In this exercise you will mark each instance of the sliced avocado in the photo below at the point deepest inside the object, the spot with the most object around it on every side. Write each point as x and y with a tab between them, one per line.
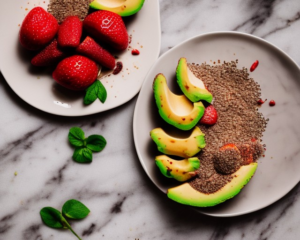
122	7
187	195
192	87
174	109
181	170
181	147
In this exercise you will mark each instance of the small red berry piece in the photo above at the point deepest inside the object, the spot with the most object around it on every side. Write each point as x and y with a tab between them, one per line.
76	72
49	56
118	68
261	102
135	52
69	32
95	52
272	103
210	116
254	66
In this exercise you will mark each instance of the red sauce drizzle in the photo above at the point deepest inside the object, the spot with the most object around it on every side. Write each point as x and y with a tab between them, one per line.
118	68
254	66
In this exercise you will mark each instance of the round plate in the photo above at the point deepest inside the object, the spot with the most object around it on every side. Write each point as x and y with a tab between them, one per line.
279	77
36	86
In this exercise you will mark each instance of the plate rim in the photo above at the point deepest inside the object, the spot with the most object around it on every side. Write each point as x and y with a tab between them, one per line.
134	125
107	108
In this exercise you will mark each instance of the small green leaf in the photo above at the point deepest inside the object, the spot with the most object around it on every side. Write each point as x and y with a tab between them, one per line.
96	90
74	209
96	143
51	217
102	94
76	137
91	93
83	155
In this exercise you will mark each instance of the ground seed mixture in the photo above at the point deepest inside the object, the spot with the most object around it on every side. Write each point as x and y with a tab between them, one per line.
239	122
61	9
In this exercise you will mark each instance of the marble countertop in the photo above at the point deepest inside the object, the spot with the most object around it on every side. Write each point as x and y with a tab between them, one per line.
124	203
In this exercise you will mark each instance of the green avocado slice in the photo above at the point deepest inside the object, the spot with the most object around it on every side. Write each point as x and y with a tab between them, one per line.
176	110
181	170
122	7
181	147
185	194
192	87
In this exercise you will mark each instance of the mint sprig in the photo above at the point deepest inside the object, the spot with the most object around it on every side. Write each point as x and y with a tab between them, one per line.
96	90
84	147
72	209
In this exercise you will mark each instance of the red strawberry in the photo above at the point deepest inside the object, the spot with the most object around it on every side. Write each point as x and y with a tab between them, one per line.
95	52
38	29
210	116
107	27
49	56
76	72
69	32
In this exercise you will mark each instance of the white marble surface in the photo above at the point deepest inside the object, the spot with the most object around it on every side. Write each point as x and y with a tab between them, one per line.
124	203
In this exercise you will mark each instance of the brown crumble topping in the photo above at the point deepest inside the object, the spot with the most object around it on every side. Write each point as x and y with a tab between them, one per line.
235	99
61	9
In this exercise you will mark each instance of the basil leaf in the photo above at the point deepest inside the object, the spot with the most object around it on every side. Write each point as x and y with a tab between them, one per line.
76	137
74	209
96	90
91	93
51	217
102	94
96	143
83	155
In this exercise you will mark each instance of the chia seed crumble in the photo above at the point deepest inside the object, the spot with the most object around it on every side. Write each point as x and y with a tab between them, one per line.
235	99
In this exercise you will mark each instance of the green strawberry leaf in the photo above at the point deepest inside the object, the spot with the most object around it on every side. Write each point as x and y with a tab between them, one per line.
76	137
74	209
96	143
96	90
83	155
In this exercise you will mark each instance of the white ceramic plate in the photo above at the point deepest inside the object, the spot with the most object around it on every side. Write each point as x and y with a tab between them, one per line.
279	77
36	86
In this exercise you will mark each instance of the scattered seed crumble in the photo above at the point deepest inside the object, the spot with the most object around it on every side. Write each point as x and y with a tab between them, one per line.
61	9
235	99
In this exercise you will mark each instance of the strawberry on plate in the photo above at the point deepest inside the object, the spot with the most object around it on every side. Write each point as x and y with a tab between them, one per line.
107	27
95	52
49	56
76	72
69	32
210	116
38	29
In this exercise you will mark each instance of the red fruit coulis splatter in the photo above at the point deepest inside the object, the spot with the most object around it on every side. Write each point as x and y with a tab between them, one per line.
272	103
118	68
135	52
260	101
254	66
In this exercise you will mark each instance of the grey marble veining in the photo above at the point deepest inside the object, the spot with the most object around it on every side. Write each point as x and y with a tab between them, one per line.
124	203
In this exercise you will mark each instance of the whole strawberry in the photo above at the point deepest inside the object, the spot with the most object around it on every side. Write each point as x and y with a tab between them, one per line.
38	29
69	32
76	72
95	52
210	116
49	56
107	27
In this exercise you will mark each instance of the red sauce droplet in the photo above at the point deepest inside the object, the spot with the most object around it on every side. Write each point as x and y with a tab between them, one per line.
272	103
260	101
118	68
254	66
135	52
171	162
